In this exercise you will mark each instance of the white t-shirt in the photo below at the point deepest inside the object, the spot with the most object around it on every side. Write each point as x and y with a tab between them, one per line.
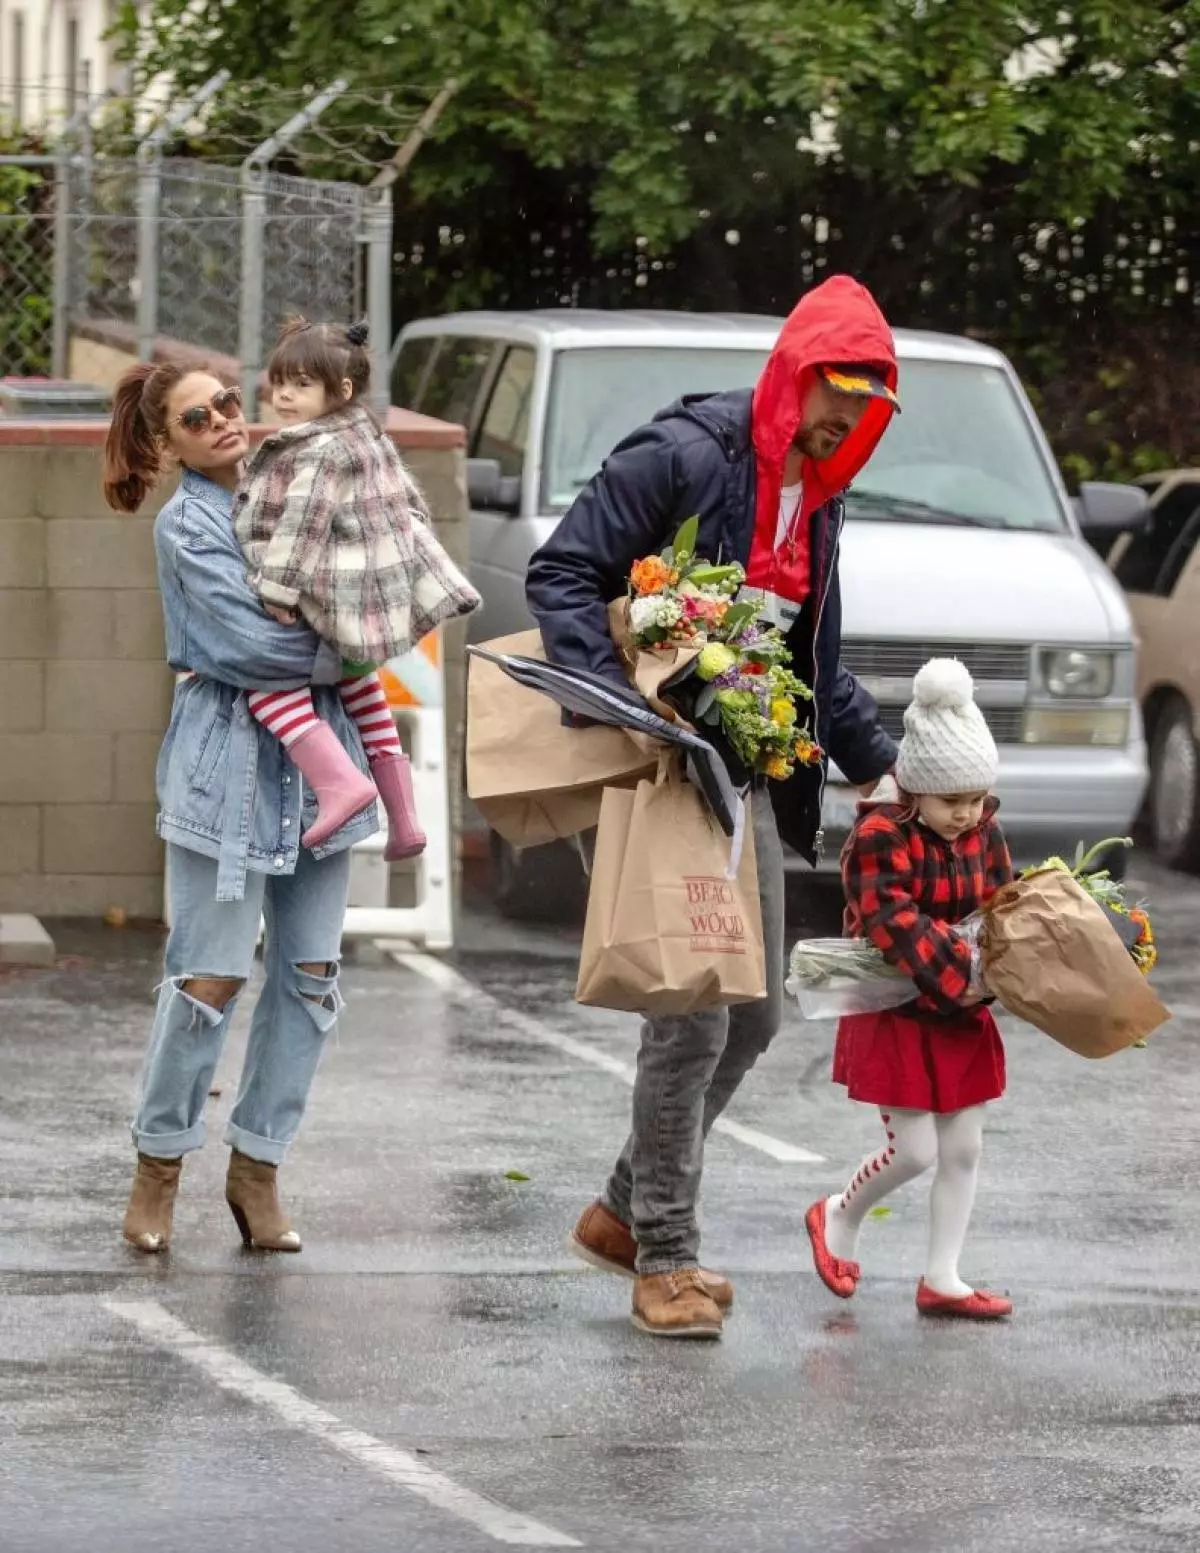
790	498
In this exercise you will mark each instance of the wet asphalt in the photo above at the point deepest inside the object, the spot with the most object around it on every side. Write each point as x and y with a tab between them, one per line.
435	1310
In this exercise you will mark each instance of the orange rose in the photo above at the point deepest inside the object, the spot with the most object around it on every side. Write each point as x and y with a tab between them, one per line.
652	575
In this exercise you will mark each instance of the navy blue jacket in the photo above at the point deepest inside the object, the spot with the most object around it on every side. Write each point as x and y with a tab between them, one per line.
696	458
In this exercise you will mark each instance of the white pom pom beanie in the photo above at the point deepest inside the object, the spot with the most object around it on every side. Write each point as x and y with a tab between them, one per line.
947	746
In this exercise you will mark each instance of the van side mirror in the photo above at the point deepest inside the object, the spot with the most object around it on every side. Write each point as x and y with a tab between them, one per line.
1106	511
490	490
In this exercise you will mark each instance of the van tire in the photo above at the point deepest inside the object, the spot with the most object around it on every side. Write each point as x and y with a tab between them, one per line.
538	884
1175	788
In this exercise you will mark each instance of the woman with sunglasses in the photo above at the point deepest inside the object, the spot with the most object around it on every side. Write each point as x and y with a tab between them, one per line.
230	814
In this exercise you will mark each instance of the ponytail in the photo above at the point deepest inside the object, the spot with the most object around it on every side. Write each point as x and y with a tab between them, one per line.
133	453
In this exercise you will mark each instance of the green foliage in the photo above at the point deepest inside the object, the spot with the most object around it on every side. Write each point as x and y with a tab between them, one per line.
902	118
26	265
677	106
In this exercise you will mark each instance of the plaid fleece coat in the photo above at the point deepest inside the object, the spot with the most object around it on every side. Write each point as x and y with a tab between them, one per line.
906	887
333	525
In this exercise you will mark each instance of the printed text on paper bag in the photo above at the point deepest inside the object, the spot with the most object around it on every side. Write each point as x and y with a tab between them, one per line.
717	924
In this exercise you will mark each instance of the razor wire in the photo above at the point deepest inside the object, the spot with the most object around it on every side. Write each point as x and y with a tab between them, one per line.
207	225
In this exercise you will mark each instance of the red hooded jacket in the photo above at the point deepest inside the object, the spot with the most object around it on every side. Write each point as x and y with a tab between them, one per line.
838	322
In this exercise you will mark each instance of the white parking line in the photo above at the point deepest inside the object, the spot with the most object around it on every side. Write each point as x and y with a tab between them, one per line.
450	980
398	1467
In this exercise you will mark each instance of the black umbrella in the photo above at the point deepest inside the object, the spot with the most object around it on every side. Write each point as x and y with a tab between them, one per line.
591	695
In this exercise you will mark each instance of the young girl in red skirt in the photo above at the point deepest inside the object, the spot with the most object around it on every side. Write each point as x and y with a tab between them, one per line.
912	870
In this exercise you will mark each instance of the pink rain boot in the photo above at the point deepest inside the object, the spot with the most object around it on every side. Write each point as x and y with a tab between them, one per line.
340	787
393	777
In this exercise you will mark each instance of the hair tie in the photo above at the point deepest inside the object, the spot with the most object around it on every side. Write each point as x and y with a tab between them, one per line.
358	334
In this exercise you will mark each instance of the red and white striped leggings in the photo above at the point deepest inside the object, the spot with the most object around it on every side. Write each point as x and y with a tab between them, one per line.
290	714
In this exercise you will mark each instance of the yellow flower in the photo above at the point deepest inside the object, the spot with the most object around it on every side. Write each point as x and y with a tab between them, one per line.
779	768
783	712
808	752
715	660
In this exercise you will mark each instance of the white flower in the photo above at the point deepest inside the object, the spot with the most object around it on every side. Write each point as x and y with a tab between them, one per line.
657	612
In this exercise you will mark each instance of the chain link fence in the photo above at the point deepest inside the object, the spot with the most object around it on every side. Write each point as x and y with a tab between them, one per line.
206	226
27	247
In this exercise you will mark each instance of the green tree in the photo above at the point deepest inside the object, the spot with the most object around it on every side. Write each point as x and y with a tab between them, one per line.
668	108
1020	171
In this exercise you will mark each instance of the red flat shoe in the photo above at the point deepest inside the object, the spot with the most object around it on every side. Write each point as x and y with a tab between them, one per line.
839	1276
978	1306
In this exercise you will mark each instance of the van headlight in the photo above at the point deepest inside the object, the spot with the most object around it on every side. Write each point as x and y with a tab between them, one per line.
1067	726
1078	673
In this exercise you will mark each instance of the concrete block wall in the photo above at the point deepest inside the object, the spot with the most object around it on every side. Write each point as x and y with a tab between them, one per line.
84	690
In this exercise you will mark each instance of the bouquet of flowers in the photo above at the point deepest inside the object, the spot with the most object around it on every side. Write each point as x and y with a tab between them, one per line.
1133	922
745	688
837	976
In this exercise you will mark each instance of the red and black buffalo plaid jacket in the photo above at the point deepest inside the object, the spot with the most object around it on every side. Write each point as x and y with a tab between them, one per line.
906	887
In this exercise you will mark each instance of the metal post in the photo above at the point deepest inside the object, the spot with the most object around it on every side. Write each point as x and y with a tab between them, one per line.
149	175
421	132
254	224
80	124
377	236
149	190
61	336
250	326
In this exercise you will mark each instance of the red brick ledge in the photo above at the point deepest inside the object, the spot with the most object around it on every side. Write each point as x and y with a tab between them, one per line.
406	428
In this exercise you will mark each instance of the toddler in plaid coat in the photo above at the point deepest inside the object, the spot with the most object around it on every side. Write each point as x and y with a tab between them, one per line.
912	871
335	531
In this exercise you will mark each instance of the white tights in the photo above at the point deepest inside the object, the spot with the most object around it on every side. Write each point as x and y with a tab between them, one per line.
918	1141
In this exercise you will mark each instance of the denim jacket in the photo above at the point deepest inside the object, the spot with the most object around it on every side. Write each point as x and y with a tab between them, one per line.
225	787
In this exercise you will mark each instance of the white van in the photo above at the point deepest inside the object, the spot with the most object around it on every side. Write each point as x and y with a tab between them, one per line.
960	538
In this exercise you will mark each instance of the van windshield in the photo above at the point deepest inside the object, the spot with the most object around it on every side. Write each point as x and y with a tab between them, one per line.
963	451
598	396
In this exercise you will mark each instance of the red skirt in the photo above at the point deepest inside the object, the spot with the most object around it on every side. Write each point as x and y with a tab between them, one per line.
919	1062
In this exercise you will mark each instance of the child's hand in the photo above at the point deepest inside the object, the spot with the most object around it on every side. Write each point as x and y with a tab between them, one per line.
285	617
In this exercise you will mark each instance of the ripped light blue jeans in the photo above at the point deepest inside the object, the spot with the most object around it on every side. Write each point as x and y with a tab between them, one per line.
295	1012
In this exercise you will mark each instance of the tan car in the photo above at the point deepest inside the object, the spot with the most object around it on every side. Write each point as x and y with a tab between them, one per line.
1159	568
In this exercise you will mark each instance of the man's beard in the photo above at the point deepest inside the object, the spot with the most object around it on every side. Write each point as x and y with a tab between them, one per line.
820	441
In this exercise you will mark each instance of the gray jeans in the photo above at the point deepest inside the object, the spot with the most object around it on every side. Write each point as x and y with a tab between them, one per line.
688	1070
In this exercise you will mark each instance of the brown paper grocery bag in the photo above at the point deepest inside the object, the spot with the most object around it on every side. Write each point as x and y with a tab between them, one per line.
667	932
535	819
649	669
1052	957
524	766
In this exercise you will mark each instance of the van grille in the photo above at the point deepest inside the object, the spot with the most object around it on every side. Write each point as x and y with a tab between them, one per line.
1004	721
892	660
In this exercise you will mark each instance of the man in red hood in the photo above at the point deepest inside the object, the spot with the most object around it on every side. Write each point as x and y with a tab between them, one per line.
764	473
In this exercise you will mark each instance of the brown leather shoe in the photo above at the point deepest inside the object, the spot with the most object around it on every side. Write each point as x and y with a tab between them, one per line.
253	1198
152	1203
676	1305
603	1241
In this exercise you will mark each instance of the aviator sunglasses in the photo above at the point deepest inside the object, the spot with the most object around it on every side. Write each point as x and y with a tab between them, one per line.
227	402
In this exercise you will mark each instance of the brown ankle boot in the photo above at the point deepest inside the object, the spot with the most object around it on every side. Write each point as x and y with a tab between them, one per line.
152	1203
250	1191
604	1241
676	1305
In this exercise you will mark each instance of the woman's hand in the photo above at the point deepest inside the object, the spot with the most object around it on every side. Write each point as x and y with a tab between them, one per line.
285	617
